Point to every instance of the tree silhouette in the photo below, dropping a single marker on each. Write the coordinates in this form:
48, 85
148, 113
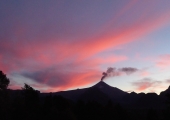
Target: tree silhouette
31, 95
4, 81
31, 102
28, 88
4, 106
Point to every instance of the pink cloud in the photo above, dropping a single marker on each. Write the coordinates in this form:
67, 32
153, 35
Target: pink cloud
144, 73
65, 76
145, 84
53, 53
163, 61
42, 50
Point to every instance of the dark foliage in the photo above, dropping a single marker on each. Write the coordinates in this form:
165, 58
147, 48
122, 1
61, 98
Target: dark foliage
31, 96
4, 81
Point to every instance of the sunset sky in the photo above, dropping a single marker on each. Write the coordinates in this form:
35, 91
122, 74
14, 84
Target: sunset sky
56, 45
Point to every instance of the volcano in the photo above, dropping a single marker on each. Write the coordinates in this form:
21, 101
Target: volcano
101, 92
113, 92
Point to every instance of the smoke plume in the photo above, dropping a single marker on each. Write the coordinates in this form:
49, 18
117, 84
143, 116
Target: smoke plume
112, 72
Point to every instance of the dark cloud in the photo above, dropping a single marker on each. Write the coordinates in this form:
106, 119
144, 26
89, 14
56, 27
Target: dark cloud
48, 77
112, 72
61, 78
128, 70
145, 83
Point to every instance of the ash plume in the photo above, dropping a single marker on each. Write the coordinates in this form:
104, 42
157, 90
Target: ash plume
112, 72
128, 70
104, 75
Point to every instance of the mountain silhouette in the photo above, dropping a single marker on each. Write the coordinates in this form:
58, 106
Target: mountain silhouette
164, 93
114, 93
102, 92
94, 94
98, 102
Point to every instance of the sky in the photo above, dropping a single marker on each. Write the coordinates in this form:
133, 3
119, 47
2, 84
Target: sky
59, 45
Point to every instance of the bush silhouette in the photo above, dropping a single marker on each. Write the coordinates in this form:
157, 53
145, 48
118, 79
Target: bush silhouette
4, 81
31, 95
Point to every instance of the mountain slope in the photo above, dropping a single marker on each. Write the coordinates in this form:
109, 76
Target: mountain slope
94, 94
114, 93
100, 92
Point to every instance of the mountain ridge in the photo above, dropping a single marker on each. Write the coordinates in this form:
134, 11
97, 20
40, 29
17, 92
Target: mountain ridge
102, 93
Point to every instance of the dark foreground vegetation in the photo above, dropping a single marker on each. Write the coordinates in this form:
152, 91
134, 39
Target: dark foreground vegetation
28, 104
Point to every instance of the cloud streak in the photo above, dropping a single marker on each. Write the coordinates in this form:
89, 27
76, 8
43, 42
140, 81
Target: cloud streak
145, 84
67, 75
62, 80
163, 61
